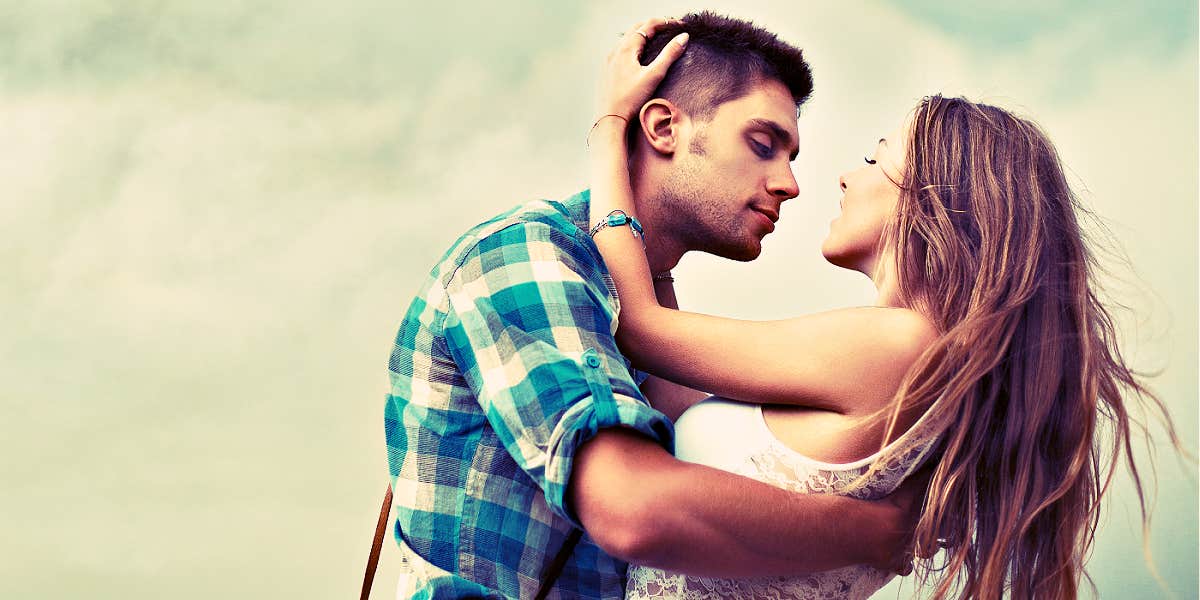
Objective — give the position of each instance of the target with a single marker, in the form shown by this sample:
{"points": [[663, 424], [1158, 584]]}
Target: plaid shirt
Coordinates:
{"points": [[504, 365]]}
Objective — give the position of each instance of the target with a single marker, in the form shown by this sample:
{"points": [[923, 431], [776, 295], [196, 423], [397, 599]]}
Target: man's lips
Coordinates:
{"points": [[770, 214]]}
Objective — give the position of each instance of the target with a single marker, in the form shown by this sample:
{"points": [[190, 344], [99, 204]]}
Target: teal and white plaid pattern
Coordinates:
{"points": [[504, 365]]}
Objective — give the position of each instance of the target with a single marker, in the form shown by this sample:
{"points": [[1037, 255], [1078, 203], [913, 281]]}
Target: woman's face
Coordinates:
{"points": [[869, 197]]}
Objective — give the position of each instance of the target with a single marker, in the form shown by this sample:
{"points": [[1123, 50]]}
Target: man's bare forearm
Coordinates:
{"points": [[723, 525], [702, 521]]}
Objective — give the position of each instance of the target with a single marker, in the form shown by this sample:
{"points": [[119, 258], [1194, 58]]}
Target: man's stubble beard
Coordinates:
{"points": [[695, 217]]}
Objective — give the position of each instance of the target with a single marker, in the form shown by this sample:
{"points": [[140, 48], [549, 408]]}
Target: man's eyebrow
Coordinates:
{"points": [[779, 133]]}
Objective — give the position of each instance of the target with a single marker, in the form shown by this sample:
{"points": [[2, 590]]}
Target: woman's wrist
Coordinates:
{"points": [[606, 130]]}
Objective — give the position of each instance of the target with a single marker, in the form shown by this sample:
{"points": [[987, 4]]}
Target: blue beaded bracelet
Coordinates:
{"points": [[618, 218]]}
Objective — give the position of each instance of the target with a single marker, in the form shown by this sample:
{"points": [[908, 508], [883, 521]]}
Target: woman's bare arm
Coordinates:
{"points": [[670, 398], [835, 360]]}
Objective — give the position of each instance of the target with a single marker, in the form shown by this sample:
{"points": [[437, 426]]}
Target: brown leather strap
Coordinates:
{"points": [[548, 577], [376, 544], [556, 567]]}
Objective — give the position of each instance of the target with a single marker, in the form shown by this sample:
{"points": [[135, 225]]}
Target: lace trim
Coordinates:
{"points": [[849, 583], [782, 467]]}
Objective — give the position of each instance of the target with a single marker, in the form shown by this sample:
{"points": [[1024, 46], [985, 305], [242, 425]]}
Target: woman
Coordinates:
{"points": [[998, 352]]}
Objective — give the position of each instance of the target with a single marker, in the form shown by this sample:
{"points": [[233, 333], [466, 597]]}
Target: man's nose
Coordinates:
{"points": [[784, 185]]}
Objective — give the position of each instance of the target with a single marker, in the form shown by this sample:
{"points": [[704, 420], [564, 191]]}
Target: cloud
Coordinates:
{"points": [[216, 213], [1078, 42], [1012, 26]]}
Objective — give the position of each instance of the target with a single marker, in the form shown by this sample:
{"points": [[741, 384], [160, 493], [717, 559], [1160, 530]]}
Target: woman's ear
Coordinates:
{"points": [[660, 122]]}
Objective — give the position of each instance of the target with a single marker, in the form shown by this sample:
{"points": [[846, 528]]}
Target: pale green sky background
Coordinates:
{"points": [[215, 214]]}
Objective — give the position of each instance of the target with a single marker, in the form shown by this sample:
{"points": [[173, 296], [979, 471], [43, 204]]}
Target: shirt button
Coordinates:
{"points": [[591, 358]]}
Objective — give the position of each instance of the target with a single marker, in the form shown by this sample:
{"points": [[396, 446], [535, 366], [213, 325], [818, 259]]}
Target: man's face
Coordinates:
{"points": [[732, 173]]}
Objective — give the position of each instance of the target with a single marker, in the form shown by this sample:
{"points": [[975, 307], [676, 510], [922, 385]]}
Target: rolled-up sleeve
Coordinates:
{"points": [[530, 325]]}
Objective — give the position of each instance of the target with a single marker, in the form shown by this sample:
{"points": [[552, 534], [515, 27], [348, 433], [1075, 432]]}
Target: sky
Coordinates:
{"points": [[215, 215]]}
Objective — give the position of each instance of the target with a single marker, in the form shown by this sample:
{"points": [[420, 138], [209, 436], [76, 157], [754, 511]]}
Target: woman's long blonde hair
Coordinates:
{"points": [[988, 245]]}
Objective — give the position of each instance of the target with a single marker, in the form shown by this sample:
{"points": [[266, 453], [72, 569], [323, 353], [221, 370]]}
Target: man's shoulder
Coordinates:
{"points": [[558, 221], [568, 216]]}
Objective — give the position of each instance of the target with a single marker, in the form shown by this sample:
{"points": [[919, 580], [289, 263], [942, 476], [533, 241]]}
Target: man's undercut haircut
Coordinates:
{"points": [[725, 58]]}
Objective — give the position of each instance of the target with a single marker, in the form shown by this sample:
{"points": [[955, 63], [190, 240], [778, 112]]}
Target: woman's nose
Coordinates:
{"points": [[842, 182]]}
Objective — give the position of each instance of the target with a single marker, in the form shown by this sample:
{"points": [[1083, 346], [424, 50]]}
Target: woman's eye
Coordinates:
{"points": [[869, 161]]}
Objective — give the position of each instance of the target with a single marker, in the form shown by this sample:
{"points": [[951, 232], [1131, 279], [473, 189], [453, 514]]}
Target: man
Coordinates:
{"points": [[513, 420]]}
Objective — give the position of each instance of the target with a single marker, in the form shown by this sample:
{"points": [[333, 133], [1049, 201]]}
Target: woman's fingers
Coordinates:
{"points": [[624, 83], [651, 26], [635, 39], [657, 68]]}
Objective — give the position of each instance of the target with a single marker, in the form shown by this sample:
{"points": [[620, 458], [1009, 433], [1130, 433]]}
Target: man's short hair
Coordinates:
{"points": [[725, 58]]}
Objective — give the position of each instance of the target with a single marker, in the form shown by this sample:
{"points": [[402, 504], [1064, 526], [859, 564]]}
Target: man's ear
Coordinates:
{"points": [[661, 122]]}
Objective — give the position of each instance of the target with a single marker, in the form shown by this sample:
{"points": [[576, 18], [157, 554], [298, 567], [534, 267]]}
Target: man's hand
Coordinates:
{"points": [[906, 503]]}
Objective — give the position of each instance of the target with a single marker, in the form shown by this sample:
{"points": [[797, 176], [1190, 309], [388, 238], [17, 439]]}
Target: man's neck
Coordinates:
{"points": [[663, 246], [663, 251]]}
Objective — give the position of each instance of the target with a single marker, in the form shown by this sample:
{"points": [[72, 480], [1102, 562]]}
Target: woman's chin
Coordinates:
{"points": [[829, 252], [837, 258]]}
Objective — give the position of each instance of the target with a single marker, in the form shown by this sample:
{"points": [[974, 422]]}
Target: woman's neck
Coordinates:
{"points": [[887, 284]]}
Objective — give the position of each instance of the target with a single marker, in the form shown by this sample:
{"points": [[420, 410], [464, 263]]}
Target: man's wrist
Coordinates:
{"points": [[886, 521]]}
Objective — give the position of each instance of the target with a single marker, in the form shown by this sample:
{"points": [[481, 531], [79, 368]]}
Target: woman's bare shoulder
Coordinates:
{"points": [[888, 328], [866, 352]]}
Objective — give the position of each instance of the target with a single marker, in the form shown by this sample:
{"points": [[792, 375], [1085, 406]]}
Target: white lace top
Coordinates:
{"points": [[734, 437]]}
